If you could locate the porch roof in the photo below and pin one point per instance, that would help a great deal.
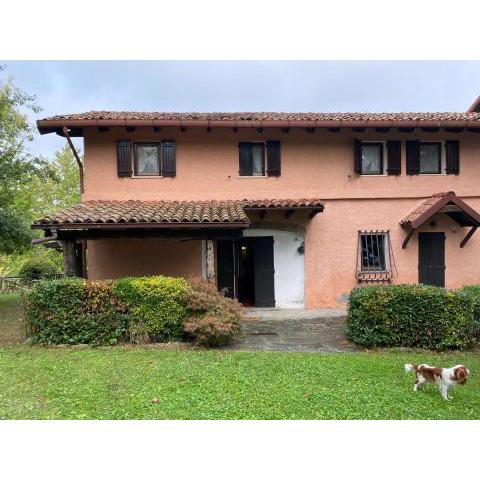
(166, 214)
(445, 202)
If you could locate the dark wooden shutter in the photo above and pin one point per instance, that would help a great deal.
(413, 157)
(394, 153)
(124, 158)
(452, 150)
(357, 156)
(245, 159)
(169, 162)
(273, 158)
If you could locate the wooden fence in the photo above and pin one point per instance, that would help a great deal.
(15, 284)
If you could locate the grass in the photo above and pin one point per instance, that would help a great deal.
(12, 324)
(153, 383)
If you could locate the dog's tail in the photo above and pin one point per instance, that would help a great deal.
(410, 366)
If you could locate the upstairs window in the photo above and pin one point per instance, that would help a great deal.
(259, 159)
(375, 257)
(372, 158)
(252, 159)
(430, 157)
(147, 159)
(150, 159)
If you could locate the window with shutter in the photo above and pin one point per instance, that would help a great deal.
(155, 159)
(452, 152)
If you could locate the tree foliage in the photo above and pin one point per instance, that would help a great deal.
(30, 186)
(45, 194)
(17, 165)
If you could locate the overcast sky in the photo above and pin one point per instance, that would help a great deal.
(72, 87)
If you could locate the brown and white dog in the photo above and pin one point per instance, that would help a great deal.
(444, 378)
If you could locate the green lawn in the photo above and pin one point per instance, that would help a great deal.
(138, 383)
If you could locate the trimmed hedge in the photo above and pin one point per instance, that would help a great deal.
(139, 309)
(157, 306)
(411, 316)
(73, 311)
(473, 292)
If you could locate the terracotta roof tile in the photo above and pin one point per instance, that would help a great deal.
(284, 203)
(271, 116)
(167, 212)
(435, 204)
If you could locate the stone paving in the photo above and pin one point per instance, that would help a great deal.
(294, 330)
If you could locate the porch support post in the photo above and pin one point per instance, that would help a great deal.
(210, 263)
(69, 258)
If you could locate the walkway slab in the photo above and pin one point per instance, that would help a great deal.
(294, 330)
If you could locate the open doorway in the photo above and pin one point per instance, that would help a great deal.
(246, 270)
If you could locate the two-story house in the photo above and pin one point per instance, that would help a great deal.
(280, 209)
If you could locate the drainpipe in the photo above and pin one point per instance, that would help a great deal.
(51, 238)
(75, 154)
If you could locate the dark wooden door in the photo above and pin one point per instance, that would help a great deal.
(226, 267)
(431, 258)
(262, 249)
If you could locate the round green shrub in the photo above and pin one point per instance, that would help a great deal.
(34, 268)
(410, 316)
(156, 306)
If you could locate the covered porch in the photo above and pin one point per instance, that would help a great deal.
(112, 239)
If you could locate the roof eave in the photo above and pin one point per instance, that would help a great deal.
(140, 226)
(51, 126)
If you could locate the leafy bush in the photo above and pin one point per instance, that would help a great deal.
(473, 292)
(145, 309)
(410, 316)
(214, 319)
(156, 305)
(73, 311)
(36, 267)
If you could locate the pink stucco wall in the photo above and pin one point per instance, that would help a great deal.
(331, 247)
(114, 258)
(316, 165)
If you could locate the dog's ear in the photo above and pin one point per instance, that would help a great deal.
(460, 374)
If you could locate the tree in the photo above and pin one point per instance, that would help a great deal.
(45, 194)
(17, 166)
